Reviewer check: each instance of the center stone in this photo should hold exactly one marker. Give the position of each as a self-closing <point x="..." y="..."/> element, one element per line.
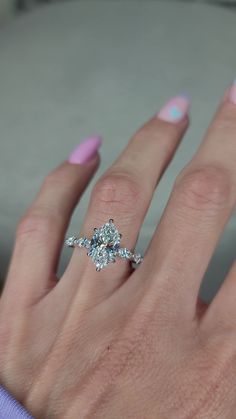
<point x="104" y="245"/>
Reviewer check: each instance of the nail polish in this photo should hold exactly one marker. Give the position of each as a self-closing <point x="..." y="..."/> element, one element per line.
<point x="85" y="150"/>
<point x="175" y="110"/>
<point x="232" y="92"/>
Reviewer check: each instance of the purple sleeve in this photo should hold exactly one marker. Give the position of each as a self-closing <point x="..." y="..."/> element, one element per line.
<point x="10" y="408"/>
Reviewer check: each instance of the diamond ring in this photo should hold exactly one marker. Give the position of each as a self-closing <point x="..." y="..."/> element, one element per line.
<point x="104" y="246"/>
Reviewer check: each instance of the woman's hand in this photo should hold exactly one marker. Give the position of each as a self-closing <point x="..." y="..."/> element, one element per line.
<point x="125" y="343"/>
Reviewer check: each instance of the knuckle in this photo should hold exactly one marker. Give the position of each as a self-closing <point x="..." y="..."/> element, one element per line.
<point x="60" y="177"/>
<point x="220" y="355"/>
<point x="52" y="179"/>
<point x="204" y="187"/>
<point x="37" y="225"/>
<point x="156" y="130"/>
<point x="145" y="131"/>
<point x="226" y="118"/>
<point x="116" y="192"/>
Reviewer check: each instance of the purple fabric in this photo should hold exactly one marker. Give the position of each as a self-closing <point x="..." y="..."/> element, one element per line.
<point x="10" y="408"/>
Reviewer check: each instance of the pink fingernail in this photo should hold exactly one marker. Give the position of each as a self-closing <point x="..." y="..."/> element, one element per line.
<point x="232" y="93"/>
<point x="175" y="110"/>
<point x="85" y="150"/>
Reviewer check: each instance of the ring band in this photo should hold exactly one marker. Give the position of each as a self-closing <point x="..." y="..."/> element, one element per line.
<point x="104" y="246"/>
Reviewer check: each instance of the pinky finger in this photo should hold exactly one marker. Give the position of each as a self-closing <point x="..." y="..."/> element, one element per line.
<point x="40" y="232"/>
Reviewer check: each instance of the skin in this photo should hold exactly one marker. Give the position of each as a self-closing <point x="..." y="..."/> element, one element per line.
<point x="125" y="343"/>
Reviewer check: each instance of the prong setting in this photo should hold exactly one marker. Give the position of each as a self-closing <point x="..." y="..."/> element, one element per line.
<point x="104" y="246"/>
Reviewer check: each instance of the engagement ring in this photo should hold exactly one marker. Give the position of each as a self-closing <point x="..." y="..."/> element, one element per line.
<point x="104" y="246"/>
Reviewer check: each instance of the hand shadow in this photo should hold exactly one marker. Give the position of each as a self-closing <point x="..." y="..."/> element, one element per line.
<point x="219" y="265"/>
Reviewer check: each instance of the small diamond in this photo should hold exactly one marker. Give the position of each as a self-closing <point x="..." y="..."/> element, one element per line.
<point x="124" y="253"/>
<point x="137" y="258"/>
<point x="70" y="241"/>
<point x="83" y="242"/>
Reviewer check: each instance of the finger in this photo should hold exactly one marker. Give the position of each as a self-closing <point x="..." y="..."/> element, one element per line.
<point x="124" y="193"/>
<point x="41" y="230"/>
<point x="200" y="204"/>
<point x="222" y="310"/>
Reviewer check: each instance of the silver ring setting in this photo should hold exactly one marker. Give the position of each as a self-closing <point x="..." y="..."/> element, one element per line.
<point x="104" y="246"/>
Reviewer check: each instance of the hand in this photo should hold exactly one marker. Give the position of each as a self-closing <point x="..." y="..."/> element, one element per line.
<point x="124" y="342"/>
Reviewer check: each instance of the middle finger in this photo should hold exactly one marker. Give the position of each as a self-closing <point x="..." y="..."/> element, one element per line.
<point x="200" y="204"/>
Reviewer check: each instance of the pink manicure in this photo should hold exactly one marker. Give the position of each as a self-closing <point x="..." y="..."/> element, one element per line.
<point x="175" y="110"/>
<point x="232" y="93"/>
<point x="85" y="150"/>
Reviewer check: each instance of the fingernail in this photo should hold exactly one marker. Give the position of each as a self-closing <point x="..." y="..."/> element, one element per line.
<point x="232" y="92"/>
<point x="175" y="110"/>
<point x="85" y="150"/>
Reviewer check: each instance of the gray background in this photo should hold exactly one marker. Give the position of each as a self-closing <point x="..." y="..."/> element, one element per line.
<point x="72" y="69"/>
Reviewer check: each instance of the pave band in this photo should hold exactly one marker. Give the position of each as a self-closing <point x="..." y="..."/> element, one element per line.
<point x="104" y="246"/>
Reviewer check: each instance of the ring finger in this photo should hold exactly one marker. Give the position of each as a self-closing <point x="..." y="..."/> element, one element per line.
<point x="124" y="193"/>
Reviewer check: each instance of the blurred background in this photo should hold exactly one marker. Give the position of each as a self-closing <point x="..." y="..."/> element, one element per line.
<point x="14" y="6"/>
<point x="70" y="69"/>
